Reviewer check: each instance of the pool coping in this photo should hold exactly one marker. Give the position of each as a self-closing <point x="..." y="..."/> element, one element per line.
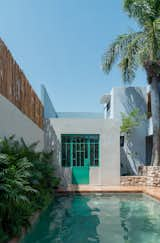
<point x="151" y="191"/>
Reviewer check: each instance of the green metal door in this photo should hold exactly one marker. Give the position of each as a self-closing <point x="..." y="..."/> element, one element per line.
<point x="80" y="160"/>
<point x="80" y="152"/>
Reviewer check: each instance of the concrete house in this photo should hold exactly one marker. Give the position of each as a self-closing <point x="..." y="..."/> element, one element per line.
<point x="84" y="145"/>
<point x="89" y="146"/>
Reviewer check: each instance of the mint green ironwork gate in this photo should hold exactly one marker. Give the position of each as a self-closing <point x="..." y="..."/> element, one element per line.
<point x="80" y="152"/>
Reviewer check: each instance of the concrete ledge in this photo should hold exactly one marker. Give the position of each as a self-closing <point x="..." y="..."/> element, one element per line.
<point x="105" y="189"/>
<point x="151" y="191"/>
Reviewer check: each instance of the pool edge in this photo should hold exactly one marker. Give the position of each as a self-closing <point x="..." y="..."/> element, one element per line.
<point x="151" y="191"/>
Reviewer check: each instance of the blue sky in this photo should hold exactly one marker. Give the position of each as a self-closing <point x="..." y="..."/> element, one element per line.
<point x="60" y="43"/>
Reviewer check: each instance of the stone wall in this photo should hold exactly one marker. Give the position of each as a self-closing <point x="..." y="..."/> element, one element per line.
<point x="133" y="180"/>
<point x="152" y="174"/>
<point x="148" y="176"/>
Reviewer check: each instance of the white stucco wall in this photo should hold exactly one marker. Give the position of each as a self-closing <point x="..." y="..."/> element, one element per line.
<point x="126" y="99"/>
<point x="108" y="172"/>
<point x="14" y="122"/>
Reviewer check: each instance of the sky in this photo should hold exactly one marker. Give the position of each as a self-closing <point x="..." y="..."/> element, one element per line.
<point x="60" y="43"/>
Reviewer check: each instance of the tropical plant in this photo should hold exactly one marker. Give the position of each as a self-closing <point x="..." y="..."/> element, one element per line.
<point x="141" y="49"/>
<point x="129" y="123"/>
<point x="27" y="184"/>
<point x="14" y="187"/>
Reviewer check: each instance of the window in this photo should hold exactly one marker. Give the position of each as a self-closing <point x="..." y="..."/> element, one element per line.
<point x="149" y="109"/>
<point x="149" y="147"/>
<point x="94" y="151"/>
<point x="80" y="150"/>
<point x="66" y="152"/>
<point x="121" y="141"/>
<point x="108" y="106"/>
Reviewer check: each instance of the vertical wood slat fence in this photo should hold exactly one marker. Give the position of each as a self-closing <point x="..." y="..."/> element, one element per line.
<point x="16" y="88"/>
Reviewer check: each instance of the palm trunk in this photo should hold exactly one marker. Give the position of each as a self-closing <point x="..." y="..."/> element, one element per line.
<point x="155" y="105"/>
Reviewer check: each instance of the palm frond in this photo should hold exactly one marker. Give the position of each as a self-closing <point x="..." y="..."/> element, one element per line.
<point x="142" y="10"/>
<point x="116" y="49"/>
<point x="131" y="60"/>
<point x="126" y="47"/>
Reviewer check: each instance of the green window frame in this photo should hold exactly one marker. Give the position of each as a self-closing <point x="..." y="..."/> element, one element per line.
<point x="94" y="151"/>
<point x="75" y="148"/>
<point x="66" y="153"/>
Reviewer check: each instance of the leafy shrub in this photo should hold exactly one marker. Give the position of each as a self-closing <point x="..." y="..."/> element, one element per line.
<point x="27" y="184"/>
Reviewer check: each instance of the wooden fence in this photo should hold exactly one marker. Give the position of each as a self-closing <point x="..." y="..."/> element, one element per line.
<point x="16" y="88"/>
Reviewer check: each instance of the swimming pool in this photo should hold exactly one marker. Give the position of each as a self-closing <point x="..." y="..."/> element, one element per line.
<point x="104" y="218"/>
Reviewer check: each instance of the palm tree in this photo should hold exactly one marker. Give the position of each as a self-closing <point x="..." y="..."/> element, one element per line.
<point x="141" y="49"/>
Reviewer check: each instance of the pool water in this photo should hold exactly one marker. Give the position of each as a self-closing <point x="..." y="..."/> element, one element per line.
<point x="104" y="218"/>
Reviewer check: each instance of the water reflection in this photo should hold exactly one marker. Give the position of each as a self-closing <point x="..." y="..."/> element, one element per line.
<point x="140" y="220"/>
<point x="98" y="218"/>
<point x="68" y="220"/>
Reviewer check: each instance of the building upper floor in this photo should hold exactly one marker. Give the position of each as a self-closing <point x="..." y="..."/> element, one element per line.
<point x="119" y="100"/>
<point x="124" y="100"/>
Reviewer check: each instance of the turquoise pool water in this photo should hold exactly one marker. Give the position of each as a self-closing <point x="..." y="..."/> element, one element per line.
<point x="106" y="218"/>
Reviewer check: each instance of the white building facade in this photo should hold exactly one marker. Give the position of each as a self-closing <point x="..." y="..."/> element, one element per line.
<point x="137" y="151"/>
<point x="89" y="147"/>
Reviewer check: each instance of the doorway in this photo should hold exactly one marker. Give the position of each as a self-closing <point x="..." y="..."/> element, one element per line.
<point x="80" y="152"/>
